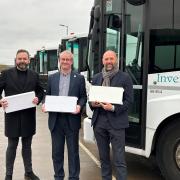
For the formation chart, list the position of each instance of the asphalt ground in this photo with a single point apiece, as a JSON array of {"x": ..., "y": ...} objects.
[{"x": 139, "y": 168}]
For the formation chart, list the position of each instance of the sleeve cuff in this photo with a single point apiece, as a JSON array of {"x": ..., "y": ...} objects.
[{"x": 113, "y": 108}]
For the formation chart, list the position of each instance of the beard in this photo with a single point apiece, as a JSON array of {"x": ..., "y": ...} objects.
[
  {"x": 22, "y": 66},
  {"x": 109, "y": 67}
]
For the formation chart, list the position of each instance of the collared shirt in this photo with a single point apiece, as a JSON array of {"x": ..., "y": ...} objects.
[{"x": 64, "y": 84}]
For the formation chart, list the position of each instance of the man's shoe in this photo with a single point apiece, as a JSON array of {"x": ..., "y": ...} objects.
[
  {"x": 30, "y": 176},
  {"x": 8, "y": 177}
]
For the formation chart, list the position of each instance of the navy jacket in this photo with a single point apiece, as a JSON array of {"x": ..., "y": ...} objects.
[
  {"x": 76, "y": 88},
  {"x": 119, "y": 118}
]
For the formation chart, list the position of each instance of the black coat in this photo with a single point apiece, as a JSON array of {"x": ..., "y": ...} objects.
[
  {"x": 119, "y": 118},
  {"x": 23, "y": 122}
]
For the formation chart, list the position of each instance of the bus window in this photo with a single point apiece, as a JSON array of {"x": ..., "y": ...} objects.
[
  {"x": 41, "y": 56},
  {"x": 82, "y": 55},
  {"x": 68, "y": 46},
  {"x": 113, "y": 26},
  {"x": 32, "y": 64},
  {"x": 134, "y": 42},
  {"x": 165, "y": 51},
  {"x": 45, "y": 63},
  {"x": 133, "y": 60},
  {"x": 53, "y": 60},
  {"x": 112, "y": 40},
  {"x": 178, "y": 56},
  {"x": 163, "y": 55},
  {"x": 76, "y": 44},
  {"x": 76, "y": 56}
]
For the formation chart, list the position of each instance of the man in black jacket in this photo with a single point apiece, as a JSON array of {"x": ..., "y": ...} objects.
[
  {"x": 110, "y": 120},
  {"x": 20, "y": 123}
]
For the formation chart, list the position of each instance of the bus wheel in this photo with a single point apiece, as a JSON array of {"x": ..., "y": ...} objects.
[{"x": 168, "y": 152}]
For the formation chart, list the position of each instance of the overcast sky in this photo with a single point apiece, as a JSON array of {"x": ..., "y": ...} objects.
[{"x": 31, "y": 24}]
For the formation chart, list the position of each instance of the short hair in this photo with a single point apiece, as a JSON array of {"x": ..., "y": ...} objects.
[
  {"x": 23, "y": 51},
  {"x": 112, "y": 52},
  {"x": 66, "y": 52}
]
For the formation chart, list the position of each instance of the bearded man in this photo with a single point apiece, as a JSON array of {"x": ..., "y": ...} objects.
[{"x": 22, "y": 123}]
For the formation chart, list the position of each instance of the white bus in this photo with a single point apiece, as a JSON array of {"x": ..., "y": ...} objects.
[
  {"x": 77, "y": 44},
  {"x": 43, "y": 62},
  {"x": 145, "y": 34}
]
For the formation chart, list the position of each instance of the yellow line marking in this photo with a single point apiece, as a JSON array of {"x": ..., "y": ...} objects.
[{"x": 92, "y": 157}]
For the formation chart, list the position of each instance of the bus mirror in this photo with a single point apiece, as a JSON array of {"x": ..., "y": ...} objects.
[
  {"x": 136, "y": 2},
  {"x": 92, "y": 12},
  {"x": 60, "y": 48},
  {"x": 92, "y": 19},
  {"x": 97, "y": 13},
  {"x": 114, "y": 21},
  {"x": 95, "y": 29},
  {"x": 94, "y": 35}
]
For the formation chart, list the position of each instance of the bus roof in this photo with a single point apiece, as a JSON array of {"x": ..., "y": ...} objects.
[{"x": 80, "y": 35}]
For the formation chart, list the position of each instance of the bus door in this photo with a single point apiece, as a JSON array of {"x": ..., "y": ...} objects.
[
  {"x": 124, "y": 35},
  {"x": 118, "y": 26},
  {"x": 135, "y": 134}
]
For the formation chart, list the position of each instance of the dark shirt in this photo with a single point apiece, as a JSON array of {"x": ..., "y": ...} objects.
[{"x": 22, "y": 76}]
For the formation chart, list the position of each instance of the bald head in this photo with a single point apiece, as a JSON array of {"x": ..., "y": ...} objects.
[
  {"x": 109, "y": 60},
  {"x": 110, "y": 53}
]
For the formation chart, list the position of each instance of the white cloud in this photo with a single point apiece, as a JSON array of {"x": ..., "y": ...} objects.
[{"x": 31, "y": 24}]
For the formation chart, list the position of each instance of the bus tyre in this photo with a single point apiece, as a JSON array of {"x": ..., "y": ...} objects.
[{"x": 168, "y": 152}]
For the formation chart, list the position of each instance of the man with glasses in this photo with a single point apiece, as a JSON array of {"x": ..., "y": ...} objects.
[{"x": 65, "y": 126}]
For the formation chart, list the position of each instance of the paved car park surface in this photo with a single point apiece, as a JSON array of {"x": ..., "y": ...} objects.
[{"x": 139, "y": 168}]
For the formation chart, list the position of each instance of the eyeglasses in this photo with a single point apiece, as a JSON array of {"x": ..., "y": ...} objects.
[{"x": 65, "y": 59}]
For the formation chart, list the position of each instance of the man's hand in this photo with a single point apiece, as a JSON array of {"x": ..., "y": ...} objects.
[
  {"x": 78, "y": 109},
  {"x": 4, "y": 103},
  {"x": 35, "y": 100},
  {"x": 107, "y": 106},
  {"x": 96, "y": 104},
  {"x": 43, "y": 108}
]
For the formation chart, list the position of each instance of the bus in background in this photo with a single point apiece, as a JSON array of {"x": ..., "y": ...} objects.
[
  {"x": 32, "y": 64},
  {"x": 145, "y": 34},
  {"x": 44, "y": 62},
  {"x": 77, "y": 44}
]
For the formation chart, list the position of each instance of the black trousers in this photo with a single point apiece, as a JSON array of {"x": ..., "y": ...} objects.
[
  {"x": 11, "y": 154},
  {"x": 61, "y": 134},
  {"x": 105, "y": 135}
]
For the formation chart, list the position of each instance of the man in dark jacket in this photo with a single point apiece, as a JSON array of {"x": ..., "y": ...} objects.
[
  {"x": 20, "y": 123},
  {"x": 65, "y": 127},
  {"x": 110, "y": 120}
]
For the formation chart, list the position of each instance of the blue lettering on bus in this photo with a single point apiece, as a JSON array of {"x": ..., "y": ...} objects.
[{"x": 167, "y": 79}]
